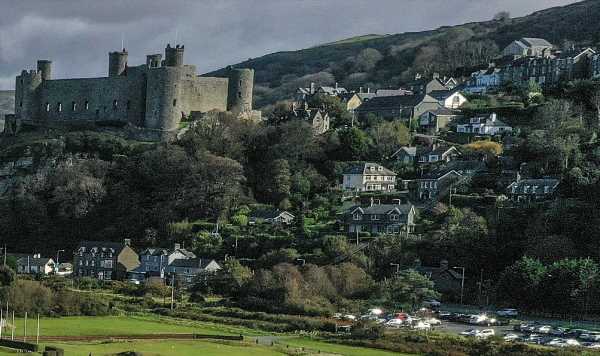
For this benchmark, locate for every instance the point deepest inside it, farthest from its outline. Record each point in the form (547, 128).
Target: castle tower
(27, 104)
(241, 83)
(117, 63)
(153, 60)
(174, 56)
(45, 68)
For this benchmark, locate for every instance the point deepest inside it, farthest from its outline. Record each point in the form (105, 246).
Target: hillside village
(477, 189)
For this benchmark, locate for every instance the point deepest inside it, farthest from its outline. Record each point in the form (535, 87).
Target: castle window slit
(128, 104)
(174, 102)
(73, 106)
(47, 107)
(115, 104)
(59, 107)
(87, 105)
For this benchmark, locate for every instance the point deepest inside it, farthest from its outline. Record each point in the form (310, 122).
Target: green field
(136, 325)
(120, 325)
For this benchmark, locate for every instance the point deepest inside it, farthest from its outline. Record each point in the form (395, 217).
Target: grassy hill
(391, 60)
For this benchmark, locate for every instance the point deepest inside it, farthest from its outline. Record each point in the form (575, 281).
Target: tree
(231, 279)
(7, 276)
(502, 16)
(388, 137)
(520, 284)
(407, 290)
(354, 144)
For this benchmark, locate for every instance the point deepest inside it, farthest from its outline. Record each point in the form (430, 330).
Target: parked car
(445, 315)
(593, 346)
(433, 321)
(394, 323)
(507, 312)
(558, 331)
(421, 325)
(349, 317)
(590, 336)
(432, 304)
(485, 333)
(544, 329)
(469, 332)
(511, 337)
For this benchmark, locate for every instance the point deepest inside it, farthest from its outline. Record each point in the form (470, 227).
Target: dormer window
(374, 217)
(380, 169)
(357, 216)
(394, 217)
(372, 169)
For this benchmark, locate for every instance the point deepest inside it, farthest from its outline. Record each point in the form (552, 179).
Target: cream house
(369, 177)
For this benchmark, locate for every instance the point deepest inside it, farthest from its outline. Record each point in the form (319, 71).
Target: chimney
(368, 90)
(436, 75)
(360, 90)
(372, 201)
(493, 117)
(176, 246)
(127, 242)
(37, 255)
(312, 88)
(444, 264)
(336, 85)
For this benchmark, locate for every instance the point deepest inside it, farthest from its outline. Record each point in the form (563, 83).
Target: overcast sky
(77, 34)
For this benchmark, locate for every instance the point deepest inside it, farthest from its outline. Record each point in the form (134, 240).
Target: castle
(151, 98)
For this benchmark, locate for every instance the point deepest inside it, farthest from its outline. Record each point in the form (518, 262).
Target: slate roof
(535, 42)
(40, 262)
(460, 167)
(439, 150)
(437, 270)
(197, 262)
(411, 151)
(397, 101)
(393, 92)
(332, 90)
(116, 246)
(534, 186)
(268, 213)
(383, 209)
(365, 168)
(441, 111)
(155, 252)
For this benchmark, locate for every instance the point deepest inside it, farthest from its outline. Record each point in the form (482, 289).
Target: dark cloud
(77, 34)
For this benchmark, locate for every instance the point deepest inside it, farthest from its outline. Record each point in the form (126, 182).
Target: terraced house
(105, 260)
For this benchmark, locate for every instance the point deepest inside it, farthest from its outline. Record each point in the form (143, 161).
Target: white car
(470, 332)
(421, 325)
(394, 323)
(507, 312)
(349, 317)
(544, 329)
(485, 333)
(511, 337)
(433, 321)
(590, 337)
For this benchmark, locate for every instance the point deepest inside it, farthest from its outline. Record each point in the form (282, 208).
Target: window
(86, 105)
(115, 104)
(374, 217)
(20, 104)
(174, 102)
(546, 189)
(357, 216)
(128, 104)
(394, 217)
(59, 107)
(239, 94)
(73, 106)
(93, 263)
(47, 106)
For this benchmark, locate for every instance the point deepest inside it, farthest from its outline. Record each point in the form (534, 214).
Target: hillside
(391, 60)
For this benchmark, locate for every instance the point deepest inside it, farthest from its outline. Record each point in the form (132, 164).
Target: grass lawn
(121, 325)
(164, 348)
(336, 348)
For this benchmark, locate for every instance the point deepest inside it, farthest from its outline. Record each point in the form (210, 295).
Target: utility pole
(172, 290)
(37, 337)
(12, 332)
(462, 284)
(25, 329)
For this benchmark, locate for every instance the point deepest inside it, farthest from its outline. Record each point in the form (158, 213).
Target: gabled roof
(411, 151)
(369, 168)
(269, 213)
(393, 92)
(197, 262)
(332, 90)
(439, 150)
(383, 209)
(31, 261)
(100, 245)
(441, 111)
(457, 167)
(535, 42)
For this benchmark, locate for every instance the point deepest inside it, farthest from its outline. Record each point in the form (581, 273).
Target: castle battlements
(153, 96)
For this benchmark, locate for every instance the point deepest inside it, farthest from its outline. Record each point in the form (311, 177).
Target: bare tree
(502, 16)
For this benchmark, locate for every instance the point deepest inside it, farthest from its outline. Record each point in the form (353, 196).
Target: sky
(78, 34)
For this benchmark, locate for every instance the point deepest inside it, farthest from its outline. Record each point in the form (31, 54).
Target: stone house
(105, 260)
(354, 100)
(436, 183)
(368, 177)
(406, 155)
(528, 47)
(532, 190)
(35, 264)
(484, 125)
(379, 219)
(432, 121)
(188, 268)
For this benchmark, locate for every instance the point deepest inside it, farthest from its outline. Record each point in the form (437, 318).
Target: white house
(35, 265)
(528, 47)
(451, 99)
(484, 125)
(369, 177)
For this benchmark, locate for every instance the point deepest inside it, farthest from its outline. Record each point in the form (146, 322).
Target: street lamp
(397, 267)
(57, 254)
(462, 283)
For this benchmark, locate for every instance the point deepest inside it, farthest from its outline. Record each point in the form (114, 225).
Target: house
(432, 121)
(446, 280)
(35, 264)
(188, 268)
(272, 216)
(379, 219)
(484, 80)
(528, 47)
(437, 153)
(332, 91)
(354, 100)
(369, 177)
(436, 183)
(318, 119)
(484, 125)
(532, 190)
(393, 92)
(105, 260)
(399, 107)
(451, 99)
(406, 155)
(154, 261)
